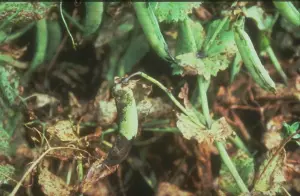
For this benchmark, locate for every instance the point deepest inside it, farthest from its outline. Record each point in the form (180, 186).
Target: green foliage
(27, 12)
(292, 129)
(9, 83)
(173, 11)
(218, 57)
(244, 165)
(4, 141)
(6, 172)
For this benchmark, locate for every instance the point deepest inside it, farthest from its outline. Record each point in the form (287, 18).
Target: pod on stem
(251, 59)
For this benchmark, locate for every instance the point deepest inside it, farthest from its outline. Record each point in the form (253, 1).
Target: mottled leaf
(64, 130)
(220, 129)
(52, 184)
(4, 142)
(173, 11)
(270, 176)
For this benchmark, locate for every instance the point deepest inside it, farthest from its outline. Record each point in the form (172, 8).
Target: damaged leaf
(52, 184)
(270, 175)
(173, 11)
(64, 131)
(220, 129)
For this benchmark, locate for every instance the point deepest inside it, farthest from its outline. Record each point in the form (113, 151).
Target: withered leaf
(52, 184)
(220, 129)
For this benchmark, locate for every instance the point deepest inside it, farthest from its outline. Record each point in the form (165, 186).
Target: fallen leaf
(53, 185)
(64, 131)
(166, 189)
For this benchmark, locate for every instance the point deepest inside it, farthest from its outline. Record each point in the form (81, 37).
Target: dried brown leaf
(166, 189)
(53, 185)
(64, 131)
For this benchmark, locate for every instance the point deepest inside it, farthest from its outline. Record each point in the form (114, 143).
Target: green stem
(203, 84)
(19, 33)
(8, 59)
(166, 129)
(277, 66)
(238, 142)
(226, 159)
(221, 148)
(69, 174)
(80, 169)
(155, 123)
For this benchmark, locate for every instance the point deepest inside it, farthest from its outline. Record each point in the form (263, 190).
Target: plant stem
(238, 142)
(166, 129)
(226, 159)
(277, 66)
(203, 85)
(19, 33)
(223, 153)
(11, 61)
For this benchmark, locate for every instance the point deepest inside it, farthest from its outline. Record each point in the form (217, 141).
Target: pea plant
(79, 94)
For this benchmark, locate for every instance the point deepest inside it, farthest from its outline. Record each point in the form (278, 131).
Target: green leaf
(294, 127)
(263, 20)
(244, 165)
(4, 142)
(190, 64)
(224, 44)
(6, 172)
(173, 11)
(191, 36)
(9, 84)
(291, 129)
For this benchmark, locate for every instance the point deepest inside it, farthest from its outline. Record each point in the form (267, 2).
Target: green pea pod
(151, 29)
(252, 61)
(126, 108)
(288, 11)
(55, 38)
(40, 45)
(93, 17)
(41, 39)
